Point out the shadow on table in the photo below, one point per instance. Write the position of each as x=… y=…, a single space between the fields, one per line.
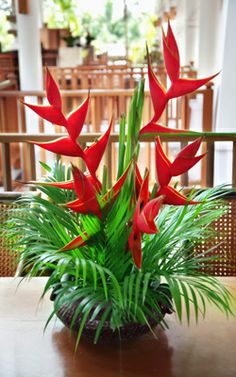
x=142 y=357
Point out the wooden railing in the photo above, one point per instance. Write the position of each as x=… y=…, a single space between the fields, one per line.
x=103 y=104
x=29 y=166
x=109 y=76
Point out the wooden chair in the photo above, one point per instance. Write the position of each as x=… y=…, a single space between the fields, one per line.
x=223 y=243
x=8 y=259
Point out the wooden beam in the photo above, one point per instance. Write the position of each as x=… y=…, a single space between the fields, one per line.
x=114 y=137
x=23 y=6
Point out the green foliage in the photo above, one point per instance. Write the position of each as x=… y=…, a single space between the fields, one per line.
x=101 y=274
x=106 y=27
x=62 y=14
x=6 y=39
x=134 y=123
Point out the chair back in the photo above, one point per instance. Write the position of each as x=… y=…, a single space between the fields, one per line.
x=223 y=243
x=8 y=258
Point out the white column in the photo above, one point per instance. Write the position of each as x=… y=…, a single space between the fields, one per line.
x=178 y=25
x=191 y=31
x=226 y=109
x=226 y=117
x=209 y=35
x=29 y=48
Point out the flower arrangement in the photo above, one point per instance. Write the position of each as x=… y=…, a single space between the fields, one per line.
x=124 y=254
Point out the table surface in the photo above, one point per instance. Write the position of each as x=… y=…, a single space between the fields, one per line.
x=207 y=349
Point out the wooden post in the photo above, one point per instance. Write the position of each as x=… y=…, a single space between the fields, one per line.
x=210 y=158
x=207 y=113
x=207 y=119
x=6 y=166
x=2 y=115
x=31 y=170
x=184 y=177
x=185 y=113
x=41 y=122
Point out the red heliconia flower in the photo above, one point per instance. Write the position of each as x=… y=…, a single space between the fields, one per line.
x=88 y=200
x=157 y=91
x=76 y=118
x=135 y=247
x=179 y=86
x=68 y=185
x=174 y=197
x=184 y=161
x=93 y=154
x=152 y=128
x=52 y=90
x=68 y=147
x=143 y=221
x=64 y=146
x=73 y=122
x=162 y=165
x=112 y=194
x=49 y=113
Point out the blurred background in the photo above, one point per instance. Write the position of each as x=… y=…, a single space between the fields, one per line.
x=100 y=45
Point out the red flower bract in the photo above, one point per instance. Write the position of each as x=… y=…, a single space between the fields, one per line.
x=143 y=220
x=73 y=122
x=52 y=90
x=184 y=161
x=179 y=86
x=166 y=170
x=157 y=91
x=93 y=154
x=64 y=146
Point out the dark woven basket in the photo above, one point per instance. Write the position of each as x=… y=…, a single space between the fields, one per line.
x=130 y=330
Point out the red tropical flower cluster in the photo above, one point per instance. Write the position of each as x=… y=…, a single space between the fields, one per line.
x=90 y=199
x=73 y=122
x=179 y=86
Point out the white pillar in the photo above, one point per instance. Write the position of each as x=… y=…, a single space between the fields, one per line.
x=191 y=31
x=226 y=109
x=209 y=35
x=178 y=25
x=29 y=48
x=226 y=116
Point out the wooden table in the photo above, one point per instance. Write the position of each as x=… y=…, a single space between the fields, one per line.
x=206 y=350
